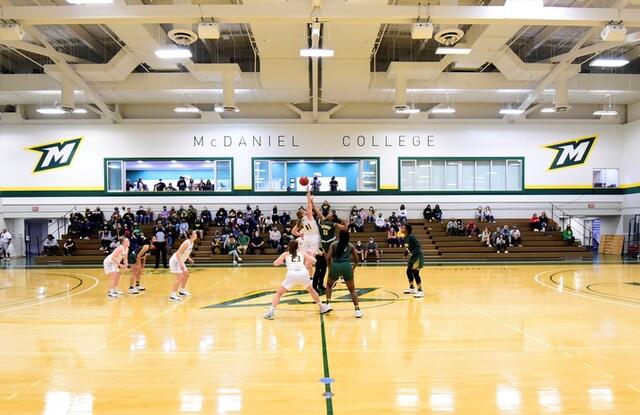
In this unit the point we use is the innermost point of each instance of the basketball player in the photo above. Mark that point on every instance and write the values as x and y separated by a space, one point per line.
139 259
176 266
329 224
112 264
416 261
297 274
308 228
340 266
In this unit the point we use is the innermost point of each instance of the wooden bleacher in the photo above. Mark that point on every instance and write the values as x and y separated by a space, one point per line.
435 242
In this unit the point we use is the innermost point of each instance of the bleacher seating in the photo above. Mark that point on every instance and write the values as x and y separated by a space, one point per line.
436 245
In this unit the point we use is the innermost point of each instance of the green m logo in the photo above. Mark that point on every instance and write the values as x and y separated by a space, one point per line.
571 153
56 155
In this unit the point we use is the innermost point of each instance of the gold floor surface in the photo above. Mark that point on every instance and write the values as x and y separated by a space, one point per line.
518 339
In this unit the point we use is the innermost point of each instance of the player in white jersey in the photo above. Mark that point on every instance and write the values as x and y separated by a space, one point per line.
176 266
112 264
297 274
307 228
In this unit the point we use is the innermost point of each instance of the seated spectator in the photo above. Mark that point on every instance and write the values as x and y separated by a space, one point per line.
232 249
544 222
471 230
494 235
351 226
160 186
139 186
170 188
358 221
285 218
392 237
50 246
487 215
380 223
183 229
371 215
164 215
274 213
427 214
69 246
501 244
451 227
257 244
485 237
567 235
208 186
205 215
534 222
459 228
516 238
243 243
401 235
274 238
506 234
393 219
171 234
437 213
191 186
221 217
128 217
216 244
140 215
477 214
372 248
198 226
359 249
402 214
105 237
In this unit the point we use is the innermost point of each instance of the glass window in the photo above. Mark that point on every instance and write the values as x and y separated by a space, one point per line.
468 175
514 175
278 176
498 174
451 175
114 176
408 174
261 175
605 177
437 174
423 174
369 175
223 168
483 174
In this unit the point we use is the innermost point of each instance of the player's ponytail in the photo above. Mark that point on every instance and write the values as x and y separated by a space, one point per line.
293 247
343 241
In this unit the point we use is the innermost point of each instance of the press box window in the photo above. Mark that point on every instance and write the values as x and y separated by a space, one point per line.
606 177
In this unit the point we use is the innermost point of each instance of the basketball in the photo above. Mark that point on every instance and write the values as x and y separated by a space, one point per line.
304 180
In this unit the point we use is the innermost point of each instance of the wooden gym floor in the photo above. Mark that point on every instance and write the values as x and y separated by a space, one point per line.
508 339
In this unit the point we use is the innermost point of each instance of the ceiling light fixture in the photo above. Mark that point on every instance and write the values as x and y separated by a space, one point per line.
316 53
607 112
407 110
186 109
452 51
511 111
59 111
90 1
608 63
443 110
173 53
548 110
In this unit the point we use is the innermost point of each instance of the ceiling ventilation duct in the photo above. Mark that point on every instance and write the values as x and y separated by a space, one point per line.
562 94
228 97
401 94
67 103
448 34
182 34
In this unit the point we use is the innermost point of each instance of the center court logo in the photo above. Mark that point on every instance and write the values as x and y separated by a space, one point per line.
571 153
56 155
262 298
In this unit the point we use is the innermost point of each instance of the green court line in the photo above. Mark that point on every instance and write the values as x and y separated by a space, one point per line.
325 363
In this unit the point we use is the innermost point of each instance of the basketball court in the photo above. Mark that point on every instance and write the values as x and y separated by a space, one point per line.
485 339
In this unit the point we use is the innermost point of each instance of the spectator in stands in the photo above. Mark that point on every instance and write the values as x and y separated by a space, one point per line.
261 224
170 188
459 228
380 223
198 226
208 186
359 249
402 214
128 185
544 222
161 247
485 237
69 247
216 244
257 212
221 217
333 184
231 216
427 213
506 234
5 240
128 218
372 248
140 215
371 215
487 215
477 214
164 215
437 213
534 222
315 184
500 244
205 215
392 236
516 238
354 210
115 216
471 230
139 185
232 249
567 236
274 238
191 186
285 218
401 235
451 227
173 233
105 237
393 219
243 243
50 246
274 214
358 223
181 184
160 186
257 244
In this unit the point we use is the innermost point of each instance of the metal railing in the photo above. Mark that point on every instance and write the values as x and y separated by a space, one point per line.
59 225
562 218
632 241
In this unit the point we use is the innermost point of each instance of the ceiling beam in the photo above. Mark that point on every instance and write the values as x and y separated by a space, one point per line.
298 12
